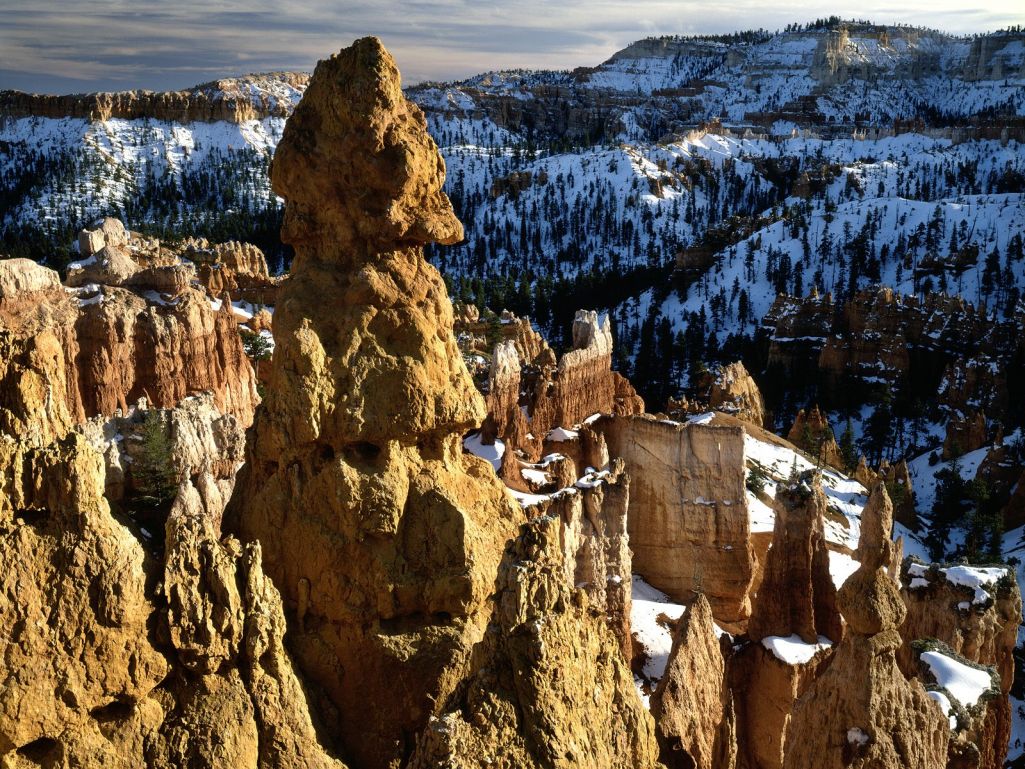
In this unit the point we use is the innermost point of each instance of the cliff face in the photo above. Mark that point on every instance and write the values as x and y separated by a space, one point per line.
696 538
72 354
528 397
231 99
130 348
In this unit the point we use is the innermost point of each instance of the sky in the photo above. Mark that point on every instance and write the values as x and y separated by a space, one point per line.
73 46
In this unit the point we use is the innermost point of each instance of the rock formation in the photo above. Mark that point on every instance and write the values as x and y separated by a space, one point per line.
861 711
230 99
356 459
74 354
693 704
795 609
964 434
239 269
730 389
811 433
978 623
797 595
39 390
201 443
528 397
550 687
696 537
111 658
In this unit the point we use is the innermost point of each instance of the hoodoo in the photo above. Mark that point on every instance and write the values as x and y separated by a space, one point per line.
383 537
862 711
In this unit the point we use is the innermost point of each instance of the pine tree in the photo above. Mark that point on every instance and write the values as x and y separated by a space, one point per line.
152 472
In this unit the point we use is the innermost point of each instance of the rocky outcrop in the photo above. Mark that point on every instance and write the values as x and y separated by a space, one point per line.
878 336
111 658
862 711
693 704
527 397
730 389
811 433
697 538
76 610
797 595
384 536
231 99
240 269
129 347
39 388
795 608
964 434
550 687
975 612
202 444
74 354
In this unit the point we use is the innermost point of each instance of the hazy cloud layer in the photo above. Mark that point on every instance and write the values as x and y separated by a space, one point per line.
82 45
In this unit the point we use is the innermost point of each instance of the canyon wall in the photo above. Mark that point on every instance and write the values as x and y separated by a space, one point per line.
688 519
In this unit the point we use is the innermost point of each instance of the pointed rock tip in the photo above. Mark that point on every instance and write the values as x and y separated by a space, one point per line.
357 168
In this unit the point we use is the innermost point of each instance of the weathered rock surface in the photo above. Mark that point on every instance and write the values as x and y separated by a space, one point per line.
693 704
811 432
550 686
39 390
964 434
239 269
729 389
797 595
111 658
74 354
861 711
201 442
688 520
979 626
528 397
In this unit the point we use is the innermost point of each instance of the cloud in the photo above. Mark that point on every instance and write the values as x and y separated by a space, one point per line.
161 44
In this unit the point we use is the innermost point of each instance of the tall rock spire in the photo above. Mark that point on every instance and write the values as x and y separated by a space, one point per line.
862 712
383 537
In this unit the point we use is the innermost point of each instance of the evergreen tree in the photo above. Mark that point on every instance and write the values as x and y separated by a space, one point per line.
152 473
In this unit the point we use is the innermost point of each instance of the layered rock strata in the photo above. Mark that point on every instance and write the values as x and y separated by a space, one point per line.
688 520
527 397
74 354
